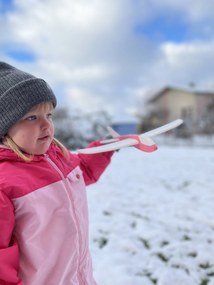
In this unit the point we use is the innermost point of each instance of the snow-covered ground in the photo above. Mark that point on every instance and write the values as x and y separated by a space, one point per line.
152 218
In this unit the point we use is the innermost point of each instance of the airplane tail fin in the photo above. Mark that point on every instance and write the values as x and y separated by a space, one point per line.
112 132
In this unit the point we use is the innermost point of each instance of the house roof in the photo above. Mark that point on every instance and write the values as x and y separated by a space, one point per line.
166 89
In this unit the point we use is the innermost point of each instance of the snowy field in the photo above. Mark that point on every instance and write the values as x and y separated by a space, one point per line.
152 218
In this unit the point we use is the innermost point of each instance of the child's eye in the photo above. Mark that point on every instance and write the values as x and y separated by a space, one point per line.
31 118
49 116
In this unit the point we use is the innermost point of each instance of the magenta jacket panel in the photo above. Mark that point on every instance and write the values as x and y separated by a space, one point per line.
44 217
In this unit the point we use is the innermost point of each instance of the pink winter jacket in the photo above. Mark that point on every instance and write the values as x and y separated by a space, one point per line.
44 217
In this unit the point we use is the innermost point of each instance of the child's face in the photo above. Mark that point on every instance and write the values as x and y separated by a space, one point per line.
35 131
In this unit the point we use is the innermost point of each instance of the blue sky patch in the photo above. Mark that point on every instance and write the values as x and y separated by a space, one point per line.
162 29
6 5
21 55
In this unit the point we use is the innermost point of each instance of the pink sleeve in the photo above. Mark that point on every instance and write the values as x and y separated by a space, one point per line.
9 255
93 165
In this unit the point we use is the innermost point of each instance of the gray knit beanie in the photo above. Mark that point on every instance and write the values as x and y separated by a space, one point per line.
19 92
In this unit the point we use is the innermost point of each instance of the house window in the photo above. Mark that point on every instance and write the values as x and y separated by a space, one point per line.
186 113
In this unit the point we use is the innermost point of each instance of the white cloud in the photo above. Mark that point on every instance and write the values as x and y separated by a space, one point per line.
90 50
190 62
80 98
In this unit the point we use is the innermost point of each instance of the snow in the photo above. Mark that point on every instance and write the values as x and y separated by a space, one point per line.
151 218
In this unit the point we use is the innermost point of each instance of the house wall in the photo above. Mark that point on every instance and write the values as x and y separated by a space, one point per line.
181 104
177 104
203 101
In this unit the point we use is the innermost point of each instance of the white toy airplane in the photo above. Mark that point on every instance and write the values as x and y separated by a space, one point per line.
142 142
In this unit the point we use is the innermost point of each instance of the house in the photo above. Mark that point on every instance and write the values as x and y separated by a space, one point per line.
171 103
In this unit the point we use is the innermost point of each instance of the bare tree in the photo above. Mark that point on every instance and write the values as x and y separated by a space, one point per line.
78 129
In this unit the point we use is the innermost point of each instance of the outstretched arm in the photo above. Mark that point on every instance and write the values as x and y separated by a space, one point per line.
94 165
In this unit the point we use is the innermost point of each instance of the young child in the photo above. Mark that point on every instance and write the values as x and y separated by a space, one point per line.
43 205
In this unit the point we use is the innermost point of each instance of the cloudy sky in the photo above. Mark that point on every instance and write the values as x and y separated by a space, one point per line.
110 54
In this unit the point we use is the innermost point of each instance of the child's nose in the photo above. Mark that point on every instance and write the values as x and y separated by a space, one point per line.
45 123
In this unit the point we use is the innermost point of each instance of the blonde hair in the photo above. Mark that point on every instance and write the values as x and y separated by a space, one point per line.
28 157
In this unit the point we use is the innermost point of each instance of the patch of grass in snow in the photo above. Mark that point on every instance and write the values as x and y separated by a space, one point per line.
162 257
107 213
184 185
102 241
206 279
204 282
145 242
186 237
148 275
133 224
139 216
192 254
206 265
152 279
211 274
178 266
164 243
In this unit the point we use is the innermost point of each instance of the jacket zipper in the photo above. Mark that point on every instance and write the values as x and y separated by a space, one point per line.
54 166
71 200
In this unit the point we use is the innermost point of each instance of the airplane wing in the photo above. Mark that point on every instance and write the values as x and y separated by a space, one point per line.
163 129
109 147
